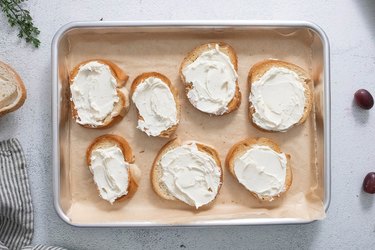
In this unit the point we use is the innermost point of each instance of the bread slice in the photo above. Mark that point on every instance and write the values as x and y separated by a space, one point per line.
260 68
241 147
139 79
156 172
226 49
110 140
12 90
121 107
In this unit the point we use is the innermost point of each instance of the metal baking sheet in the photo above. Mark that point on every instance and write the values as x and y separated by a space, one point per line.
74 39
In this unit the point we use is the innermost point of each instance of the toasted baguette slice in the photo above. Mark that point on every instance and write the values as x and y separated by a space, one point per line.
108 140
121 107
139 79
226 49
160 187
259 69
241 147
12 90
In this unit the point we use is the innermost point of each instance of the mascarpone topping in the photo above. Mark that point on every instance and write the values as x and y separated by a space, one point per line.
111 172
278 98
190 175
213 81
261 170
156 105
94 93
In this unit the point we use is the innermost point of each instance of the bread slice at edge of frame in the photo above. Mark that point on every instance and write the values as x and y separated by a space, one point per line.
156 173
260 68
241 147
226 49
15 98
110 140
139 79
121 107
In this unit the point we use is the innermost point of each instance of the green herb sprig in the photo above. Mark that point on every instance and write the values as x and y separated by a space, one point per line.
20 17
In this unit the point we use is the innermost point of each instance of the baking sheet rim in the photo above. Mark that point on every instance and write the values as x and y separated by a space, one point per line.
209 23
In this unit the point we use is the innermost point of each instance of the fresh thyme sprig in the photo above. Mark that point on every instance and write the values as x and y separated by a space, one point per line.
18 16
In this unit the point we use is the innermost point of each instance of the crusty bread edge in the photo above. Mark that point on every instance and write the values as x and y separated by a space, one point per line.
260 68
230 52
128 156
121 79
21 87
139 79
171 145
239 149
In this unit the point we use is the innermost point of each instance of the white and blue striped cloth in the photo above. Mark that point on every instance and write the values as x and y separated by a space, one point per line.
16 209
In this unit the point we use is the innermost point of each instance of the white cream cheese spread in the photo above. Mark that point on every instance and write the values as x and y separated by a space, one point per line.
111 172
261 170
156 105
190 175
94 93
278 98
213 81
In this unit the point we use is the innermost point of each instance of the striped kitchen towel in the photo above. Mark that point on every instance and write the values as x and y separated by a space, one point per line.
16 209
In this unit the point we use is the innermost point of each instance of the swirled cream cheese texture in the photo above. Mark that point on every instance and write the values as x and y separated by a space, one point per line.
110 171
156 105
278 98
261 170
190 175
94 93
213 81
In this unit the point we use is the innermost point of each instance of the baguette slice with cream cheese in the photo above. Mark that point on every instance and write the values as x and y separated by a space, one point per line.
189 172
111 161
280 95
98 98
261 167
157 103
12 90
209 73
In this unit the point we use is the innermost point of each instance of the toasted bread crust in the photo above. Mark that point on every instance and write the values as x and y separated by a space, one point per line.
260 68
168 132
21 86
230 52
115 140
159 188
121 79
242 146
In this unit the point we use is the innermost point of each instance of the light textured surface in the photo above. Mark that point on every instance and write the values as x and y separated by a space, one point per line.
350 26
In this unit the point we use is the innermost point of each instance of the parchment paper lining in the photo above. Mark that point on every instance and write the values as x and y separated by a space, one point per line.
138 52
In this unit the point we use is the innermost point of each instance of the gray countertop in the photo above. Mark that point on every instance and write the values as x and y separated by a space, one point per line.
350 27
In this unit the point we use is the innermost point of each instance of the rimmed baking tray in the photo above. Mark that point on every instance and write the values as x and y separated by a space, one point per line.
160 46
